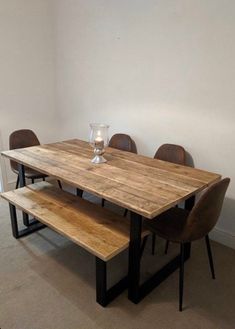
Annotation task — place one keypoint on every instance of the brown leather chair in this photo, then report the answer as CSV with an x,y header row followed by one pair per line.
x,y
20,139
171,153
122,142
181,226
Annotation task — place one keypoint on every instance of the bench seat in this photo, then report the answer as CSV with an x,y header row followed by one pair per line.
x,y
98,230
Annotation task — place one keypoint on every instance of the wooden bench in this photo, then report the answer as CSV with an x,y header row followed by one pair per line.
x,y
98,230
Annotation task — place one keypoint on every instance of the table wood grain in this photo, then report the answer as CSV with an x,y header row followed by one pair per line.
x,y
141,184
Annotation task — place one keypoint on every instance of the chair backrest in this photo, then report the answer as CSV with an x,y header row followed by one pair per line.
x,y
171,153
123,142
206,211
20,139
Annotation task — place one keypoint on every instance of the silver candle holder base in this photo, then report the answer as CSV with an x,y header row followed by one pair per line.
x,y
98,156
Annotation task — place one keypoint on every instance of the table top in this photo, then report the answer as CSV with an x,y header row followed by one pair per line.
x,y
141,184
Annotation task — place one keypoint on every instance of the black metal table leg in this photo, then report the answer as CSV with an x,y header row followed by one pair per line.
x,y
134,258
137,292
17,182
145,239
181,276
21,175
189,204
153,243
79,192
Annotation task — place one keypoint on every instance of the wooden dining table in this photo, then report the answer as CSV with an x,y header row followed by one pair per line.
x,y
145,186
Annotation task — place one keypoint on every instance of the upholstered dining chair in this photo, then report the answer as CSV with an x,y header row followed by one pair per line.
x,y
171,153
122,142
20,139
181,226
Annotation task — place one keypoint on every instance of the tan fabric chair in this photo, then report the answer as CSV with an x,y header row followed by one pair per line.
x,y
181,226
20,139
171,153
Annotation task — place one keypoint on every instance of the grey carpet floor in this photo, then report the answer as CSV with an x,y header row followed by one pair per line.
x,y
47,282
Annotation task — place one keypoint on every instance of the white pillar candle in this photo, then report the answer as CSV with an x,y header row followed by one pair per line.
x,y
99,142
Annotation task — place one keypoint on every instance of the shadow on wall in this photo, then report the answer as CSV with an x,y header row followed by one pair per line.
x,y
228,215
189,160
224,232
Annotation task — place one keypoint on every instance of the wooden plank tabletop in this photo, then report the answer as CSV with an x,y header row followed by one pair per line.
x,y
141,184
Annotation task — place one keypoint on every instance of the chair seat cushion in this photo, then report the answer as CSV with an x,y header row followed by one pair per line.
x,y
170,225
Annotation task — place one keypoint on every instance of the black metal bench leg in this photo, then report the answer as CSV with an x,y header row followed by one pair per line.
x,y
103,295
14,224
101,282
210,256
22,184
34,225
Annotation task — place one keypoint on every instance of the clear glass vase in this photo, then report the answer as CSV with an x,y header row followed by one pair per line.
x,y
99,139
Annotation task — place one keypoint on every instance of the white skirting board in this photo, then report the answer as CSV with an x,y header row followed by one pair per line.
x,y
224,237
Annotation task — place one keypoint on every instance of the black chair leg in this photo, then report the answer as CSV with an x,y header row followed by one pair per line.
x,y
32,180
59,183
166,247
125,212
210,256
102,202
43,178
153,243
181,277
143,245
17,182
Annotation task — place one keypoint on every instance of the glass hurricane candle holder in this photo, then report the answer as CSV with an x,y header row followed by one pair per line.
x,y
99,140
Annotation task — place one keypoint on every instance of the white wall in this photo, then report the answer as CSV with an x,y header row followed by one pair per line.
x,y
27,66
162,71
